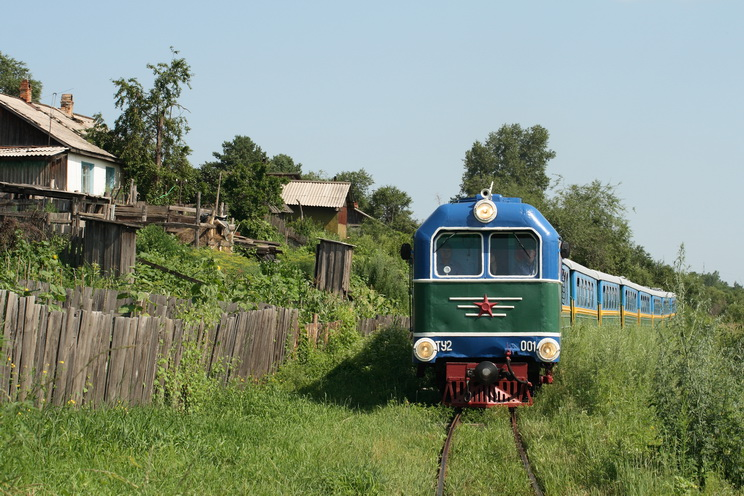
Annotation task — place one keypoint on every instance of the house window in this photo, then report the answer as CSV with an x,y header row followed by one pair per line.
x,y
110,179
86,179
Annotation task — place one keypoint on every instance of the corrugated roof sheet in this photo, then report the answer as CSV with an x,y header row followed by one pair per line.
x,y
31,151
284,209
331,194
54,122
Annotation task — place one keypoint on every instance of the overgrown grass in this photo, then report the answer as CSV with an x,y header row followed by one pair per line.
x,y
256,439
345,420
605,426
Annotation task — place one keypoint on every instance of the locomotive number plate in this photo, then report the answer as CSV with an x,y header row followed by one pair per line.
x,y
443,345
528,346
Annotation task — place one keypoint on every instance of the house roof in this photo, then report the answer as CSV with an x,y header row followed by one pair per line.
x,y
31,151
52,121
332,194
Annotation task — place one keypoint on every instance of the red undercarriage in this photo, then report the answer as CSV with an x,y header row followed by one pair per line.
x,y
511,390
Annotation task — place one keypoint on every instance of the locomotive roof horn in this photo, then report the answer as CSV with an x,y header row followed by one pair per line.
x,y
486,192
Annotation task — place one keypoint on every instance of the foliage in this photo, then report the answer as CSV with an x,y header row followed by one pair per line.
x,y
592,219
188,386
320,175
284,163
392,206
254,440
12,72
361,181
241,173
149,134
378,265
364,373
514,160
24,260
308,227
699,391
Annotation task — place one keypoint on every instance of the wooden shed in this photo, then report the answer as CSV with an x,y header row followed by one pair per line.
x,y
333,266
111,245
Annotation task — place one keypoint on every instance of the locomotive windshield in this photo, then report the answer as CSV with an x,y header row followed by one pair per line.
x,y
458,254
513,254
508,253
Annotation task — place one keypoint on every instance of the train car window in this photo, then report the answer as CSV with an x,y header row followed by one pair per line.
x,y
513,254
631,300
610,297
458,254
645,303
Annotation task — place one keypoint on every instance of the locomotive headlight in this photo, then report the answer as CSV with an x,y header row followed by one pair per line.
x,y
548,350
485,210
425,350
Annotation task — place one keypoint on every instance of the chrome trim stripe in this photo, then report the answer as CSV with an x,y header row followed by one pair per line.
x,y
485,334
490,280
478,298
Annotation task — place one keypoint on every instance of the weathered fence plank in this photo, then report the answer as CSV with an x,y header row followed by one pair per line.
x,y
80,356
120,351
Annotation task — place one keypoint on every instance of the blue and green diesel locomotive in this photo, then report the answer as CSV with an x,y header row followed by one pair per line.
x,y
492,287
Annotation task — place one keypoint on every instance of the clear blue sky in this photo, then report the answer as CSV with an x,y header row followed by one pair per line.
x,y
643,94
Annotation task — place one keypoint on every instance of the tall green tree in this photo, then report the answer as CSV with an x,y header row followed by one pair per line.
x,y
149,134
12,72
284,163
242,173
514,160
592,219
361,181
391,205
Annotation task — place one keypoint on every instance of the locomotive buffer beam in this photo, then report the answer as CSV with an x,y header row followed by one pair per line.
x,y
485,384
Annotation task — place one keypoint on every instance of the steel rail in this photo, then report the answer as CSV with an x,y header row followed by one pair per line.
x,y
445,451
523,453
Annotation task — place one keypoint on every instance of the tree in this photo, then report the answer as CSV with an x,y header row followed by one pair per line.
x,y
591,218
148,136
514,160
320,175
284,163
391,205
242,173
360,181
12,72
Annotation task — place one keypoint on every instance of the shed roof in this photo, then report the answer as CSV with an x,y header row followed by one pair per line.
x,y
52,121
332,194
31,151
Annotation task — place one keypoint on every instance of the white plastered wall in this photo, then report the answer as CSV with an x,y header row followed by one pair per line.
x,y
74,173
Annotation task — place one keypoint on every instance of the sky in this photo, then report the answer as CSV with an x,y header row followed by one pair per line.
x,y
644,95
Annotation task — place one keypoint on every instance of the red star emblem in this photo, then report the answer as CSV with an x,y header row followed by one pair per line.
x,y
485,306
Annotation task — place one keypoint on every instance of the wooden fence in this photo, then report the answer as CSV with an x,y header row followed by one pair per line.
x,y
90,357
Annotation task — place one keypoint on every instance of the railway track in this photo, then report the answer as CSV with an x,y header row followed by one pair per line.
x,y
521,450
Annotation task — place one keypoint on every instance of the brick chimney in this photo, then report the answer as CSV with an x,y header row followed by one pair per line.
x,y
65,105
26,91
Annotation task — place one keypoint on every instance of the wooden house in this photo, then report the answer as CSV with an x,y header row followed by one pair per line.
x,y
44,146
326,202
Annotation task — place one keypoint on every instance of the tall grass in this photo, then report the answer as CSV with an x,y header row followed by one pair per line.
x,y
633,411
258,439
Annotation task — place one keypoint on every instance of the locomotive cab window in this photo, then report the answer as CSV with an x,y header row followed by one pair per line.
x,y
514,254
458,254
